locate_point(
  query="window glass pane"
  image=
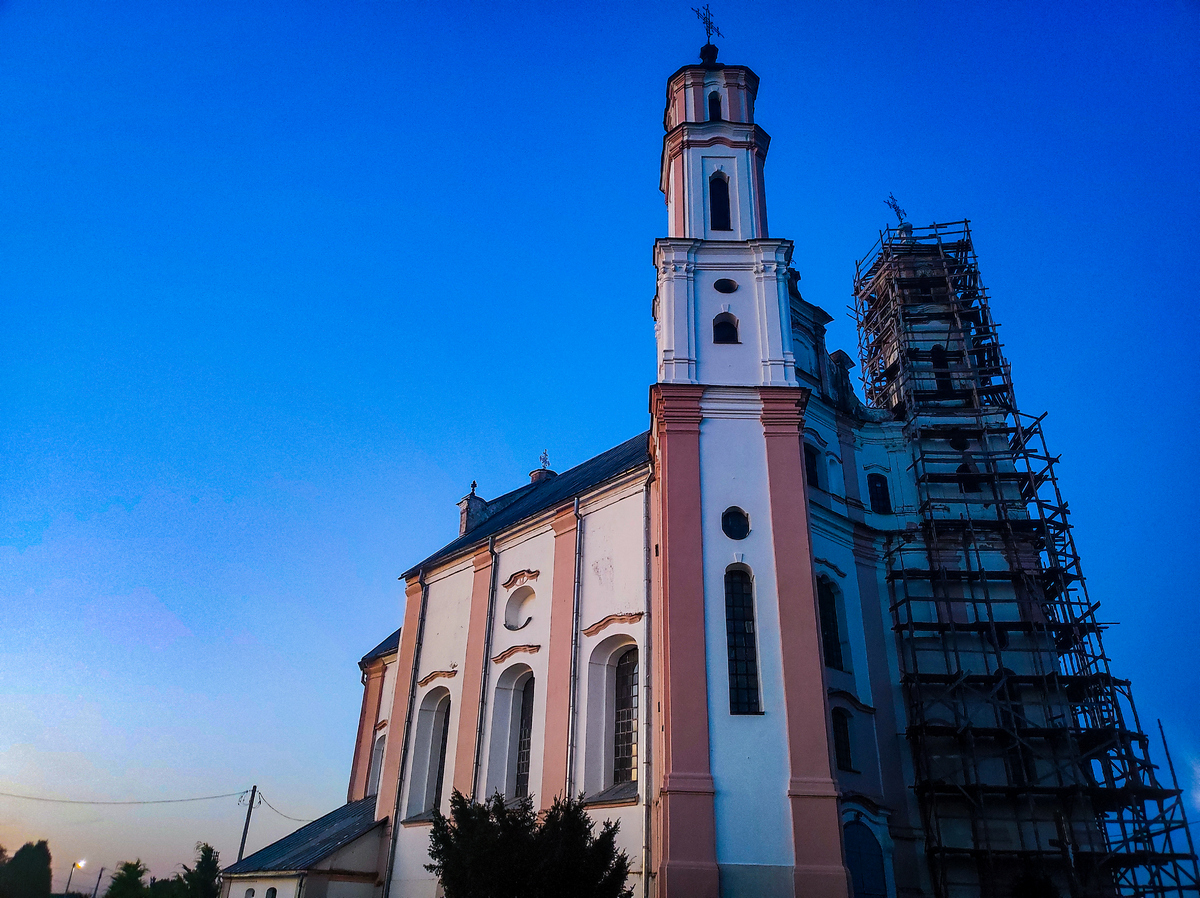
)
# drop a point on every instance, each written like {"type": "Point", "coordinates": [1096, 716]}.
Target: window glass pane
{"type": "Point", "coordinates": [739, 633]}
{"type": "Point", "coordinates": [841, 741]}
{"type": "Point", "coordinates": [831, 639]}
{"type": "Point", "coordinates": [718, 197]}
{"type": "Point", "coordinates": [625, 731]}
{"type": "Point", "coordinates": [524, 736]}
{"type": "Point", "coordinates": [441, 757]}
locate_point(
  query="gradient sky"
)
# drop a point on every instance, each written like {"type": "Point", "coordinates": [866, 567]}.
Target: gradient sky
{"type": "Point", "coordinates": [279, 279]}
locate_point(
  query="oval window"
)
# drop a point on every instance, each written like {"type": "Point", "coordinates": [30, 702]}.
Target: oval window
{"type": "Point", "coordinates": [735, 523]}
{"type": "Point", "coordinates": [725, 285]}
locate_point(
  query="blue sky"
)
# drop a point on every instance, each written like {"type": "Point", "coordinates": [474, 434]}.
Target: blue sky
{"type": "Point", "coordinates": [278, 280]}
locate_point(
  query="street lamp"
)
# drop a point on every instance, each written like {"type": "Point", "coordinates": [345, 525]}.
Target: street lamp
{"type": "Point", "coordinates": [78, 864]}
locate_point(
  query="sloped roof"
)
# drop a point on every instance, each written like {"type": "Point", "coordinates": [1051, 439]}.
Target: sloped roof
{"type": "Point", "coordinates": [312, 842]}
{"type": "Point", "coordinates": [533, 498]}
{"type": "Point", "coordinates": [387, 647]}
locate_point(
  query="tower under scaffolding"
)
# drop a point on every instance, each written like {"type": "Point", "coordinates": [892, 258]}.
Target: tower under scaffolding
{"type": "Point", "coordinates": [1031, 770]}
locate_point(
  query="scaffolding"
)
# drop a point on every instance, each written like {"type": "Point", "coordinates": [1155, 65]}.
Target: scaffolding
{"type": "Point", "coordinates": [1031, 770]}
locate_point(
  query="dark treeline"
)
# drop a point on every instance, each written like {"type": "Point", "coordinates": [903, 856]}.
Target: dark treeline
{"type": "Point", "coordinates": [27, 875]}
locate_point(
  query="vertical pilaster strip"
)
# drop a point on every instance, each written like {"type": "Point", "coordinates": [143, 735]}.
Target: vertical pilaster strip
{"type": "Point", "coordinates": [468, 714]}
{"type": "Point", "coordinates": [812, 794]}
{"type": "Point", "coordinates": [687, 856]}
{"type": "Point", "coordinates": [389, 775]}
{"type": "Point", "coordinates": [364, 744]}
{"type": "Point", "coordinates": [558, 661]}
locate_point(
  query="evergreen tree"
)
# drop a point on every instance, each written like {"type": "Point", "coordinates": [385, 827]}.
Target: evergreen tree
{"type": "Point", "coordinates": [27, 873]}
{"type": "Point", "coordinates": [204, 879]}
{"type": "Point", "coordinates": [572, 860]}
{"type": "Point", "coordinates": [128, 882]}
{"type": "Point", "coordinates": [499, 849]}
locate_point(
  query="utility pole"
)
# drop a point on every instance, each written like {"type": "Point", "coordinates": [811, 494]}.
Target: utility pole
{"type": "Point", "coordinates": [246, 828]}
{"type": "Point", "coordinates": [98, 878]}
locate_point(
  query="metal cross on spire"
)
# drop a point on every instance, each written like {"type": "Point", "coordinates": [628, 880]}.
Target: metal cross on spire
{"type": "Point", "coordinates": [892, 204]}
{"type": "Point", "coordinates": [710, 27]}
{"type": "Point", "coordinates": [544, 458]}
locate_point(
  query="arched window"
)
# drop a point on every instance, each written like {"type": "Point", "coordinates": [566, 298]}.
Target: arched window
{"type": "Point", "coordinates": [524, 740]}
{"type": "Point", "coordinates": [429, 752]}
{"type": "Point", "coordinates": [625, 754]}
{"type": "Point", "coordinates": [509, 758]}
{"type": "Point", "coordinates": [812, 461]}
{"type": "Point", "coordinates": [376, 765]}
{"type": "Point", "coordinates": [249, 893]}
{"type": "Point", "coordinates": [725, 328]}
{"type": "Point", "coordinates": [843, 753]}
{"type": "Point", "coordinates": [941, 369]}
{"type": "Point", "coordinates": [714, 107]}
{"type": "Point", "coordinates": [610, 749]}
{"type": "Point", "coordinates": [718, 203]}
{"type": "Point", "coordinates": [831, 635]}
{"type": "Point", "coordinates": [864, 859]}
{"type": "Point", "coordinates": [877, 490]}
{"type": "Point", "coordinates": [272, 892]}
{"type": "Point", "coordinates": [741, 645]}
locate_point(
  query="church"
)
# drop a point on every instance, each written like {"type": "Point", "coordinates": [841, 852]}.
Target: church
{"type": "Point", "coordinates": [797, 641]}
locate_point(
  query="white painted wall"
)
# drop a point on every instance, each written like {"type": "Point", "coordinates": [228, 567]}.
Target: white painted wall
{"type": "Point", "coordinates": [748, 752]}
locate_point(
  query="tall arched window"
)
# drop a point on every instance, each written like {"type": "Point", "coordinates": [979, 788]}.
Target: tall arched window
{"type": "Point", "coordinates": [718, 203]}
{"type": "Point", "coordinates": [877, 490]}
{"type": "Point", "coordinates": [714, 107]}
{"type": "Point", "coordinates": [967, 481]}
{"type": "Point", "coordinates": [509, 757]}
{"type": "Point", "coordinates": [429, 752]}
{"type": "Point", "coordinates": [831, 635]}
{"type": "Point", "coordinates": [376, 765]}
{"type": "Point", "coordinates": [843, 752]}
{"type": "Point", "coordinates": [524, 740]}
{"type": "Point", "coordinates": [625, 726]}
{"type": "Point", "coordinates": [725, 328]}
{"type": "Point", "coordinates": [741, 645]}
{"type": "Point", "coordinates": [941, 369]}
{"type": "Point", "coordinates": [864, 859]}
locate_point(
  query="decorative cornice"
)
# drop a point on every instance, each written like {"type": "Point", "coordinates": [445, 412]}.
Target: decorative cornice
{"type": "Point", "coordinates": [851, 699]}
{"type": "Point", "coordinates": [520, 577]}
{"type": "Point", "coordinates": [629, 617]}
{"type": "Point", "coordinates": [514, 650]}
{"type": "Point", "coordinates": [426, 680]}
{"type": "Point", "coordinates": [380, 725]}
{"type": "Point", "coordinates": [829, 564]}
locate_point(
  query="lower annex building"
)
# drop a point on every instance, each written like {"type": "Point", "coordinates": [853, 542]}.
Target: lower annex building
{"type": "Point", "coordinates": [797, 643]}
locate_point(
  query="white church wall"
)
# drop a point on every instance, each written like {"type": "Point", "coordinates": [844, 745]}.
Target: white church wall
{"type": "Point", "coordinates": [749, 752]}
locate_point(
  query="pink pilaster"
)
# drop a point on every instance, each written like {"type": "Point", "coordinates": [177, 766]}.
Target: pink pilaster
{"type": "Point", "coordinates": [389, 775]}
{"type": "Point", "coordinates": [812, 794]}
{"type": "Point", "coordinates": [686, 848]}
{"type": "Point", "coordinates": [558, 660]}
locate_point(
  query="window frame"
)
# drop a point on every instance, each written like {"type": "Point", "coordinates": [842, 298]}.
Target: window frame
{"type": "Point", "coordinates": [720, 202]}
{"type": "Point", "coordinates": [743, 640]}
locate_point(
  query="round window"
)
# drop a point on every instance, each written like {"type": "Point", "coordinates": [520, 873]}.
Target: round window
{"type": "Point", "coordinates": [735, 523]}
{"type": "Point", "coordinates": [725, 285]}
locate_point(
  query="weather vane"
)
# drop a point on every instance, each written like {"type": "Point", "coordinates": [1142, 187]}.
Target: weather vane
{"type": "Point", "coordinates": [710, 27]}
{"type": "Point", "coordinates": [892, 204]}
{"type": "Point", "coordinates": [544, 458]}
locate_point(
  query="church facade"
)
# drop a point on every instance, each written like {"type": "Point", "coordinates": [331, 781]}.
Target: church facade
{"type": "Point", "coordinates": [797, 643]}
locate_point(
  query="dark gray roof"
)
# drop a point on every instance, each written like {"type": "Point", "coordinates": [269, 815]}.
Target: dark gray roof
{"type": "Point", "coordinates": [312, 842]}
{"type": "Point", "coordinates": [534, 498]}
{"type": "Point", "coordinates": [389, 645]}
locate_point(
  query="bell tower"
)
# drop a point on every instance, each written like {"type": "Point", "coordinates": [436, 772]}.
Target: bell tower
{"type": "Point", "coordinates": [745, 801]}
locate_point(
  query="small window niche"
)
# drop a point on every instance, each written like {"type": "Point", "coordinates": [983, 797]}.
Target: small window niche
{"type": "Point", "coordinates": [725, 328]}
{"type": "Point", "coordinates": [735, 523]}
{"type": "Point", "coordinates": [518, 610]}
{"type": "Point", "coordinates": [714, 106]}
{"type": "Point", "coordinates": [718, 203]}
{"type": "Point", "coordinates": [877, 491]}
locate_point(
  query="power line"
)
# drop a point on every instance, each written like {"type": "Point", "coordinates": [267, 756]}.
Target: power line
{"type": "Point", "coordinates": [279, 812]}
{"type": "Point", "coordinates": [156, 801]}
